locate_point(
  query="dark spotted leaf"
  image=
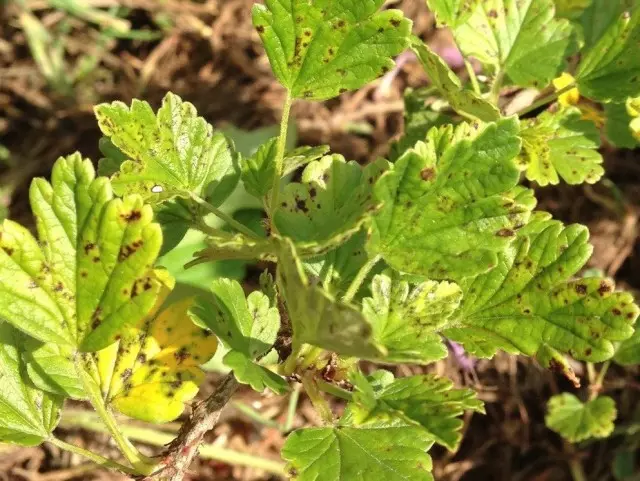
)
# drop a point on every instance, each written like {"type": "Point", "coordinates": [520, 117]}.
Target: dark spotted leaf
{"type": "Point", "coordinates": [153, 369]}
{"type": "Point", "coordinates": [451, 13]}
{"type": "Point", "coordinates": [450, 204]}
{"type": "Point", "coordinates": [560, 145]}
{"type": "Point", "coordinates": [90, 273]}
{"type": "Point", "coordinates": [27, 414]}
{"type": "Point", "coordinates": [577, 421]}
{"type": "Point", "coordinates": [171, 153]}
{"type": "Point", "coordinates": [529, 302]}
{"type": "Point", "coordinates": [320, 49]}
{"type": "Point", "coordinates": [248, 326]}
{"type": "Point", "coordinates": [427, 401]}
{"type": "Point", "coordinates": [406, 320]}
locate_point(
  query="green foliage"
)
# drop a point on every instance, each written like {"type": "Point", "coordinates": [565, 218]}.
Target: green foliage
{"type": "Point", "coordinates": [577, 421]}
{"type": "Point", "coordinates": [449, 204]}
{"type": "Point", "coordinates": [560, 145]}
{"type": "Point", "coordinates": [320, 49]}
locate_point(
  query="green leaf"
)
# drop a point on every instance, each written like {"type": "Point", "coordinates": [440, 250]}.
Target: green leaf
{"type": "Point", "coordinates": [233, 246]}
{"type": "Point", "coordinates": [618, 124]}
{"type": "Point", "coordinates": [333, 200]}
{"type": "Point", "coordinates": [406, 320]}
{"type": "Point", "coordinates": [571, 9]}
{"type": "Point", "coordinates": [89, 275]}
{"type": "Point", "coordinates": [577, 421]}
{"type": "Point", "coordinates": [316, 317]}
{"type": "Point", "coordinates": [318, 50]}
{"type": "Point", "coordinates": [258, 171]}
{"type": "Point", "coordinates": [27, 415]}
{"type": "Point", "coordinates": [452, 13]}
{"type": "Point", "coordinates": [449, 204]}
{"type": "Point", "coordinates": [112, 160]}
{"type": "Point", "coordinates": [393, 451]}
{"type": "Point", "coordinates": [171, 153]}
{"type": "Point", "coordinates": [598, 17]}
{"type": "Point", "coordinates": [248, 326]}
{"type": "Point", "coordinates": [610, 70]}
{"type": "Point", "coordinates": [175, 218]}
{"type": "Point", "coordinates": [152, 371]}
{"type": "Point", "coordinates": [428, 401]}
{"type": "Point", "coordinates": [450, 87]}
{"type": "Point", "coordinates": [560, 145]}
{"type": "Point", "coordinates": [518, 38]}
{"type": "Point", "coordinates": [528, 301]}
{"type": "Point", "coordinates": [628, 352]}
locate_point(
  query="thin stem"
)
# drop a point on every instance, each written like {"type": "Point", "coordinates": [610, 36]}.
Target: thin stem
{"type": "Point", "coordinates": [494, 95]}
{"type": "Point", "coordinates": [225, 217]}
{"type": "Point", "coordinates": [153, 437]}
{"type": "Point", "coordinates": [334, 390]}
{"type": "Point", "coordinates": [292, 408]}
{"type": "Point", "coordinates": [96, 458]}
{"type": "Point", "coordinates": [577, 471]}
{"type": "Point", "coordinates": [599, 381]}
{"type": "Point", "coordinates": [546, 99]}
{"type": "Point", "coordinates": [472, 77]}
{"type": "Point", "coordinates": [314, 393]}
{"type": "Point", "coordinates": [140, 463]}
{"type": "Point", "coordinates": [360, 278]}
{"type": "Point", "coordinates": [279, 160]}
{"type": "Point", "coordinates": [290, 364]}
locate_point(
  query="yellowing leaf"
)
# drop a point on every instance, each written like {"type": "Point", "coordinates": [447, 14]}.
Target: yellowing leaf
{"type": "Point", "coordinates": [153, 370]}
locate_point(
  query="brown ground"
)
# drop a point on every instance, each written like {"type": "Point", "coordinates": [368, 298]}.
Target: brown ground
{"type": "Point", "coordinates": [213, 58]}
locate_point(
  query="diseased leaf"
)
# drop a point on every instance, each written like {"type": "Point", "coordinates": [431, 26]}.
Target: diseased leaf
{"type": "Point", "coordinates": [406, 320]}
{"type": "Point", "coordinates": [428, 401]}
{"type": "Point", "coordinates": [153, 369]}
{"type": "Point", "coordinates": [233, 246]}
{"type": "Point", "coordinates": [518, 38]}
{"type": "Point", "coordinates": [610, 70]}
{"type": "Point", "coordinates": [560, 145]}
{"type": "Point", "coordinates": [628, 352]}
{"type": "Point", "coordinates": [320, 49]}
{"type": "Point", "coordinates": [27, 414]}
{"type": "Point", "coordinates": [571, 9]}
{"type": "Point", "coordinates": [89, 276]}
{"type": "Point", "coordinates": [316, 317]}
{"type": "Point", "coordinates": [577, 421]}
{"type": "Point", "coordinates": [451, 13]}
{"type": "Point", "coordinates": [389, 450]}
{"type": "Point", "coordinates": [247, 326]}
{"type": "Point", "coordinates": [450, 87]}
{"type": "Point", "coordinates": [334, 199]}
{"type": "Point", "coordinates": [171, 154]}
{"type": "Point", "coordinates": [528, 301]}
{"type": "Point", "coordinates": [258, 171]}
{"type": "Point", "coordinates": [449, 204]}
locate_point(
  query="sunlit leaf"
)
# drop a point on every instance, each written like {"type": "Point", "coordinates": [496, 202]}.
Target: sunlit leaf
{"type": "Point", "coordinates": [577, 421]}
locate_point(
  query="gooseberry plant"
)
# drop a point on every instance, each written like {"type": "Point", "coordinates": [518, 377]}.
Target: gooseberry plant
{"type": "Point", "coordinates": [381, 263]}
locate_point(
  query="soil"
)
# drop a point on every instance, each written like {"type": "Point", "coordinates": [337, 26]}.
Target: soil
{"type": "Point", "coordinates": [212, 57]}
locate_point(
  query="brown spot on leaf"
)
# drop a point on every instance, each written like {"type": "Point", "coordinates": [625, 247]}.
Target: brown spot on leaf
{"type": "Point", "coordinates": [132, 216]}
{"type": "Point", "coordinates": [427, 174]}
{"type": "Point", "coordinates": [505, 233]}
{"type": "Point", "coordinates": [581, 289]}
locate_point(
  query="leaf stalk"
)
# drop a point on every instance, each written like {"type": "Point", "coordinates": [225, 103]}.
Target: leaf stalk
{"type": "Point", "coordinates": [354, 287]}
{"type": "Point", "coordinates": [96, 458]}
{"type": "Point", "coordinates": [280, 151]}
{"type": "Point", "coordinates": [225, 217]}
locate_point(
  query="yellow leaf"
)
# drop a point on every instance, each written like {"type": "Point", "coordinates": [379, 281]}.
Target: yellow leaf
{"type": "Point", "coordinates": [153, 369]}
{"type": "Point", "coordinates": [570, 97]}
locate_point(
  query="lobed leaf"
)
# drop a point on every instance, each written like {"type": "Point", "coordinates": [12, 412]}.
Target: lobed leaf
{"type": "Point", "coordinates": [247, 326]}
{"type": "Point", "coordinates": [316, 317]}
{"type": "Point", "coordinates": [577, 421]}
{"type": "Point", "coordinates": [449, 204]}
{"type": "Point", "coordinates": [450, 87]}
{"type": "Point", "coordinates": [333, 200]}
{"type": "Point", "coordinates": [171, 154]}
{"type": "Point", "coordinates": [427, 401]}
{"type": "Point", "coordinates": [520, 39]}
{"type": "Point", "coordinates": [452, 13]}
{"type": "Point", "coordinates": [560, 145]}
{"type": "Point", "coordinates": [27, 414]}
{"type": "Point", "coordinates": [528, 302]}
{"type": "Point", "coordinates": [320, 49]}
{"type": "Point", "coordinates": [389, 450]}
{"type": "Point", "coordinates": [89, 275]}
{"type": "Point", "coordinates": [628, 351]}
{"type": "Point", "coordinates": [610, 70]}
{"type": "Point", "coordinates": [153, 369]}
{"type": "Point", "coordinates": [406, 320]}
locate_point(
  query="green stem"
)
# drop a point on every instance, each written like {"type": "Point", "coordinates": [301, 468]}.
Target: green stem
{"type": "Point", "coordinates": [314, 393]}
{"type": "Point", "coordinates": [599, 380]}
{"type": "Point", "coordinates": [290, 364]}
{"type": "Point", "coordinates": [153, 437]}
{"type": "Point", "coordinates": [225, 217]}
{"type": "Point", "coordinates": [360, 278]}
{"type": "Point", "coordinates": [279, 160]}
{"type": "Point", "coordinates": [546, 99]}
{"type": "Point", "coordinates": [141, 464]}
{"type": "Point", "coordinates": [494, 95]}
{"type": "Point", "coordinates": [334, 390]}
{"type": "Point", "coordinates": [96, 458]}
{"type": "Point", "coordinates": [292, 408]}
{"type": "Point", "coordinates": [577, 471]}
{"type": "Point", "coordinates": [472, 77]}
